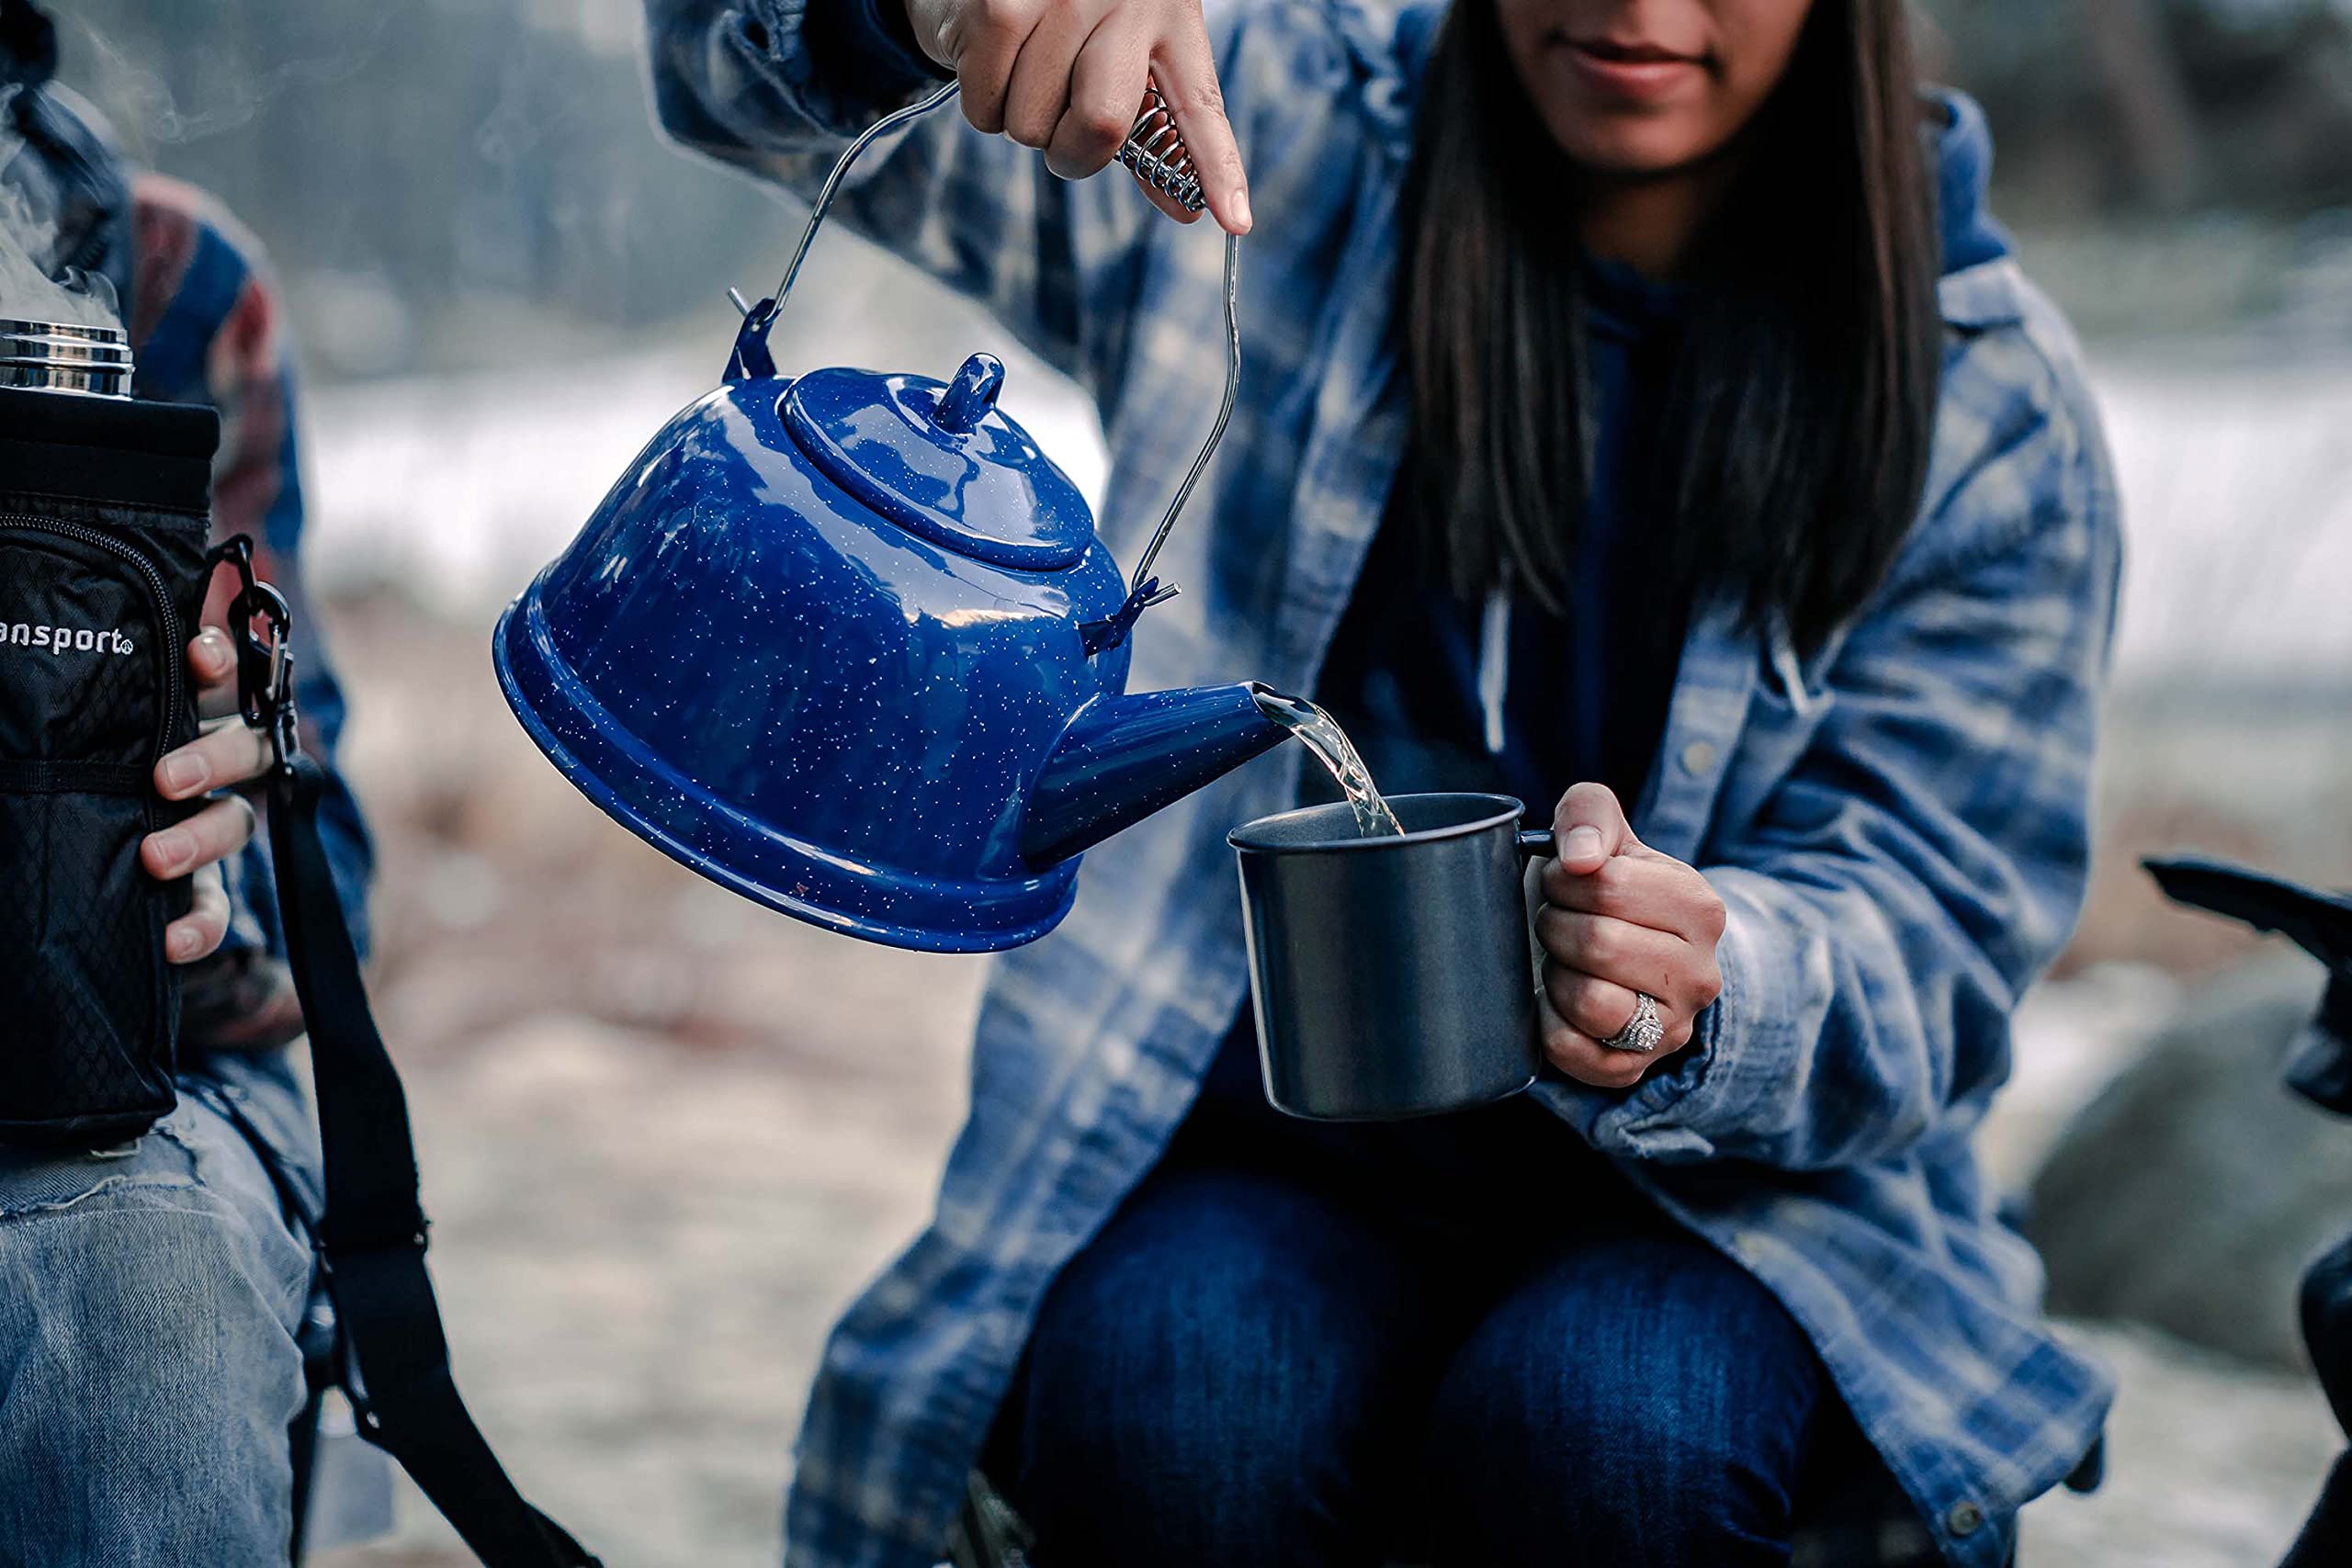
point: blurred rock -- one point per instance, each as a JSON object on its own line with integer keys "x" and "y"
{"x": 2209, "y": 1465}
{"x": 2189, "y": 1194}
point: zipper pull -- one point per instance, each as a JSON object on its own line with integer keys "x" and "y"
{"x": 1494, "y": 663}
{"x": 1791, "y": 672}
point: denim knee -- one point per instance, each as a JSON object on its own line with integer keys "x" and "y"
{"x": 1209, "y": 1383}
{"x": 1651, "y": 1406}
{"x": 148, "y": 1368}
{"x": 1640, "y": 1485}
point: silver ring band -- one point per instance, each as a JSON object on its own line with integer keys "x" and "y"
{"x": 1643, "y": 1033}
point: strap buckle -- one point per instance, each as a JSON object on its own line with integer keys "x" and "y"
{"x": 265, "y": 659}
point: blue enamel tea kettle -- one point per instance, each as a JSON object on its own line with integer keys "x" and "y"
{"x": 847, "y": 643}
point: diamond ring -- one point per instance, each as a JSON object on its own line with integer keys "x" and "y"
{"x": 1642, "y": 1033}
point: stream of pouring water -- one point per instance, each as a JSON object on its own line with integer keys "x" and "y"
{"x": 1321, "y": 734}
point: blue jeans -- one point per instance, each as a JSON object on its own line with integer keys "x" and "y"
{"x": 149, "y": 1301}
{"x": 1466, "y": 1342}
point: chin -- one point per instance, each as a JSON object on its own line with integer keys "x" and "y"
{"x": 1631, "y": 145}
{"x": 1632, "y": 156}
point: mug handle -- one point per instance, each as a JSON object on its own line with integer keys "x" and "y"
{"x": 1534, "y": 844}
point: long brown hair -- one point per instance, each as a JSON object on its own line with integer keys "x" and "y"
{"x": 1797, "y": 420}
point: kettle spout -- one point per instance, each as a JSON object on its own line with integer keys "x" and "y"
{"x": 1122, "y": 758}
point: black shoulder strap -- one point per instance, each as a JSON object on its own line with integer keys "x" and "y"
{"x": 396, "y": 1360}
{"x": 372, "y": 1239}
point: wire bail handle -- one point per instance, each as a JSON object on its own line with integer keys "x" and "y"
{"x": 1155, "y": 152}
{"x": 264, "y": 663}
{"x": 751, "y": 358}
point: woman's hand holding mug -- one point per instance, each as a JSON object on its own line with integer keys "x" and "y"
{"x": 1068, "y": 76}
{"x": 1619, "y": 918}
{"x": 225, "y": 753}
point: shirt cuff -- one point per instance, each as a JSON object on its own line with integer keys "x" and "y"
{"x": 869, "y": 40}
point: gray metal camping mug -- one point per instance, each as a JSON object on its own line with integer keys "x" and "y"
{"x": 1391, "y": 976}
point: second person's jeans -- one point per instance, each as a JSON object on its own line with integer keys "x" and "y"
{"x": 149, "y": 1303}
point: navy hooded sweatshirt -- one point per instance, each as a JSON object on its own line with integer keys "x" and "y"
{"x": 1509, "y": 697}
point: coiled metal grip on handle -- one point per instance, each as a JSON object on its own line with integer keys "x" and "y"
{"x": 1155, "y": 152}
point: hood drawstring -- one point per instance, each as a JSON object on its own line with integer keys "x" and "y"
{"x": 1494, "y": 661}
{"x": 1790, "y": 670}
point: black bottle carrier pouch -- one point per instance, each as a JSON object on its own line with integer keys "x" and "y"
{"x": 103, "y": 517}
{"x": 103, "y": 527}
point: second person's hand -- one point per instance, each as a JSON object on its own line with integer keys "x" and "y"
{"x": 224, "y": 755}
{"x": 1067, "y": 77}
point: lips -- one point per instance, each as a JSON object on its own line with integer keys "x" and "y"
{"x": 1634, "y": 71}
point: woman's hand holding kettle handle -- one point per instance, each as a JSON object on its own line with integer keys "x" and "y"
{"x": 1619, "y": 920}
{"x": 1068, "y": 76}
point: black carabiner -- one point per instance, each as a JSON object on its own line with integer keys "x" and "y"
{"x": 264, "y": 664}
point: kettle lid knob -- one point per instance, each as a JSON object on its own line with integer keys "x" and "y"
{"x": 971, "y": 394}
{"x": 943, "y": 460}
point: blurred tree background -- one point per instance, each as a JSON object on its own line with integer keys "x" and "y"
{"x": 2128, "y": 107}
{"x": 442, "y": 181}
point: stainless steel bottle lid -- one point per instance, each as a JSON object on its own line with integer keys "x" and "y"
{"x": 58, "y": 356}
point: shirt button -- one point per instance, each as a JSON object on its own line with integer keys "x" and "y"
{"x": 1698, "y": 757}
{"x": 1964, "y": 1518}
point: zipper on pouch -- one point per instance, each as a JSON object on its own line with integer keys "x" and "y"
{"x": 166, "y": 617}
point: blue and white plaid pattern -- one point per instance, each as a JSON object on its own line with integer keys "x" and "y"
{"x": 1897, "y": 822}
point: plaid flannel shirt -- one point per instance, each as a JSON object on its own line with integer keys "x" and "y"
{"x": 205, "y": 326}
{"x": 1897, "y": 822}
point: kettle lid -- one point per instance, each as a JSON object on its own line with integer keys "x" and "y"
{"x": 941, "y": 460}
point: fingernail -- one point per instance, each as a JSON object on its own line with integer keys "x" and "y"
{"x": 181, "y": 773}
{"x": 1582, "y": 843}
{"x": 216, "y": 647}
{"x": 1241, "y": 207}
{"x": 174, "y": 849}
{"x": 180, "y": 944}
